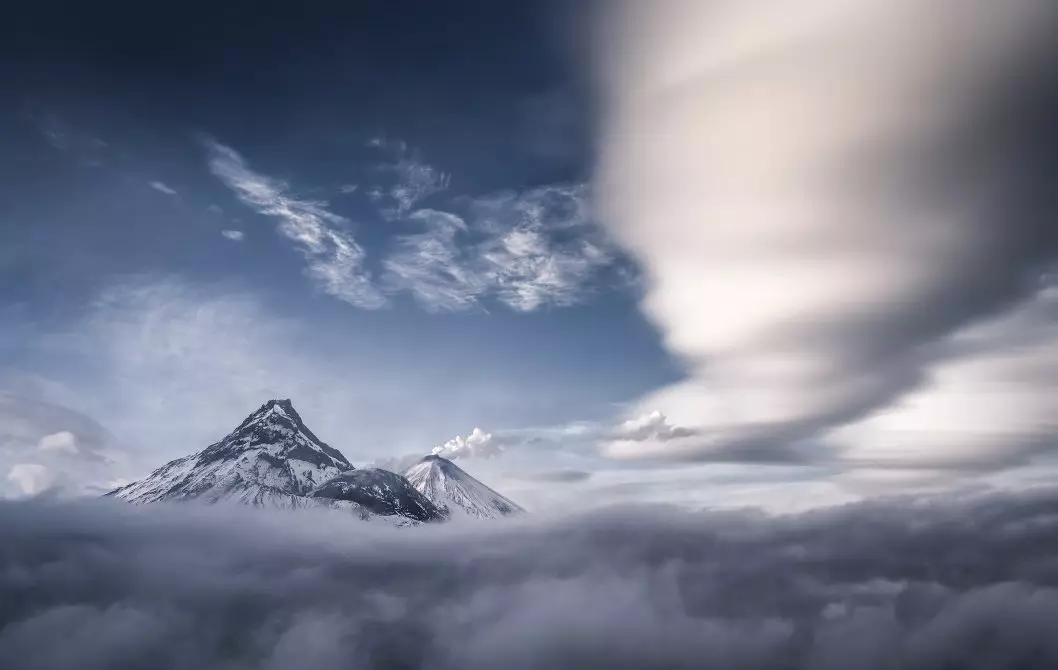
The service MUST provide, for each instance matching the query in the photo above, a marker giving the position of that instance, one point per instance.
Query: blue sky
(407, 248)
(513, 233)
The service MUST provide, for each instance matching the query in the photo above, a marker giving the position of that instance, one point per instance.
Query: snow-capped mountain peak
(269, 457)
(450, 488)
(277, 430)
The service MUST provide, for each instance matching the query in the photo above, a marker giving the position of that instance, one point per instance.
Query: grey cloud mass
(561, 475)
(811, 240)
(46, 446)
(928, 584)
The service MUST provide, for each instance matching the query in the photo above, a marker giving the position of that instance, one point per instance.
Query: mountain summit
(272, 459)
(450, 488)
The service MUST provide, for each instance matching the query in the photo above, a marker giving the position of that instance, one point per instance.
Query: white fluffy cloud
(478, 444)
(234, 235)
(62, 441)
(59, 447)
(31, 478)
(806, 234)
(652, 426)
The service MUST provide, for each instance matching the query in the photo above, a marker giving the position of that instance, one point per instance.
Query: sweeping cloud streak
(529, 250)
(901, 584)
(334, 259)
(825, 198)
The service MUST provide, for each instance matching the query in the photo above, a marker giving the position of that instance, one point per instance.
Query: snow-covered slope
(273, 460)
(450, 488)
(380, 492)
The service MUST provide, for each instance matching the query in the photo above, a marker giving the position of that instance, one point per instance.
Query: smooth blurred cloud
(31, 478)
(561, 475)
(818, 195)
(63, 440)
(234, 235)
(45, 445)
(990, 399)
(901, 583)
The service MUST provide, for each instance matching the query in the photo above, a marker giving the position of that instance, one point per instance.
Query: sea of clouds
(943, 582)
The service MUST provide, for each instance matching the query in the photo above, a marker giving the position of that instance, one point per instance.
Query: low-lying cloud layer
(913, 584)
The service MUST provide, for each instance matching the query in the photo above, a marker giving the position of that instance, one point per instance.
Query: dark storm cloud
(915, 584)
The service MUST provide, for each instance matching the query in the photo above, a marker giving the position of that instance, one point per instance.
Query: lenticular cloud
(817, 191)
(940, 583)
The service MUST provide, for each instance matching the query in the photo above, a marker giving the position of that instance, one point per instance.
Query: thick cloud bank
(917, 584)
(821, 194)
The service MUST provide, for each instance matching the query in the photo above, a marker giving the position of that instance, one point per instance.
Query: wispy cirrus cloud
(334, 259)
(413, 179)
(63, 137)
(434, 267)
(543, 248)
(162, 187)
(529, 270)
(529, 250)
